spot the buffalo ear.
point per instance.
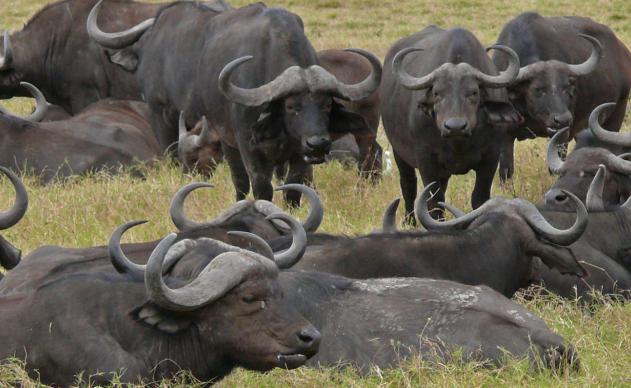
(126, 58)
(555, 256)
(343, 120)
(269, 124)
(498, 108)
(159, 319)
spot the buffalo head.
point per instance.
(453, 93)
(546, 89)
(199, 150)
(234, 302)
(537, 237)
(578, 170)
(9, 255)
(301, 102)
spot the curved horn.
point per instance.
(610, 137)
(117, 257)
(594, 58)
(555, 163)
(114, 40)
(408, 81)
(558, 236)
(204, 134)
(594, 199)
(507, 76)
(176, 210)
(182, 130)
(425, 219)
(14, 215)
(42, 105)
(452, 209)
(256, 241)
(288, 82)
(390, 216)
(618, 164)
(221, 275)
(291, 256)
(316, 211)
(366, 87)
(6, 60)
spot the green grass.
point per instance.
(84, 212)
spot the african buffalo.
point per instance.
(199, 150)
(577, 171)
(570, 65)
(440, 104)
(144, 325)
(502, 235)
(105, 136)
(281, 112)
(432, 318)
(9, 255)
(54, 52)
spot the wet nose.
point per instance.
(556, 197)
(562, 121)
(309, 340)
(456, 124)
(319, 143)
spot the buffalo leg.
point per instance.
(299, 172)
(164, 129)
(370, 155)
(408, 182)
(507, 167)
(483, 181)
(239, 175)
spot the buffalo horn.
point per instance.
(555, 163)
(610, 137)
(7, 57)
(176, 210)
(289, 257)
(114, 40)
(182, 130)
(316, 211)
(14, 215)
(594, 199)
(118, 258)
(390, 216)
(424, 218)
(505, 77)
(204, 135)
(41, 107)
(594, 58)
(409, 81)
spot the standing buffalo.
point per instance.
(570, 65)
(442, 118)
(281, 110)
(144, 325)
(54, 52)
(105, 136)
(9, 255)
(578, 170)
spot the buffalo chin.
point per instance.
(314, 159)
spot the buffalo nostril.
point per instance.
(319, 143)
(455, 124)
(309, 336)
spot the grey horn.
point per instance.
(594, 58)
(41, 107)
(424, 218)
(390, 216)
(408, 81)
(594, 199)
(504, 78)
(602, 134)
(555, 163)
(182, 130)
(540, 225)
(176, 209)
(316, 210)
(14, 215)
(114, 40)
(255, 241)
(289, 257)
(204, 135)
(7, 57)
(366, 87)
(118, 258)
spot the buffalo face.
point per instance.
(306, 118)
(199, 150)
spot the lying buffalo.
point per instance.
(105, 136)
(495, 248)
(578, 170)
(441, 101)
(282, 112)
(55, 41)
(570, 65)
(144, 325)
(9, 255)
(433, 318)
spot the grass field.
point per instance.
(83, 212)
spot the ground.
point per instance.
(83, 212)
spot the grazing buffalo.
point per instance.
(440, 104)
(55, 42)
(104, 137)
(570, 65)
(577, 171)
(144, 325)
(502, 235)
(199, 150)
(282, 112)
(10, 255)
(379, 322)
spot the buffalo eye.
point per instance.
(248, 299)
(293, 109)
(473, 94)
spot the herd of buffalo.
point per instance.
(121, 84)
